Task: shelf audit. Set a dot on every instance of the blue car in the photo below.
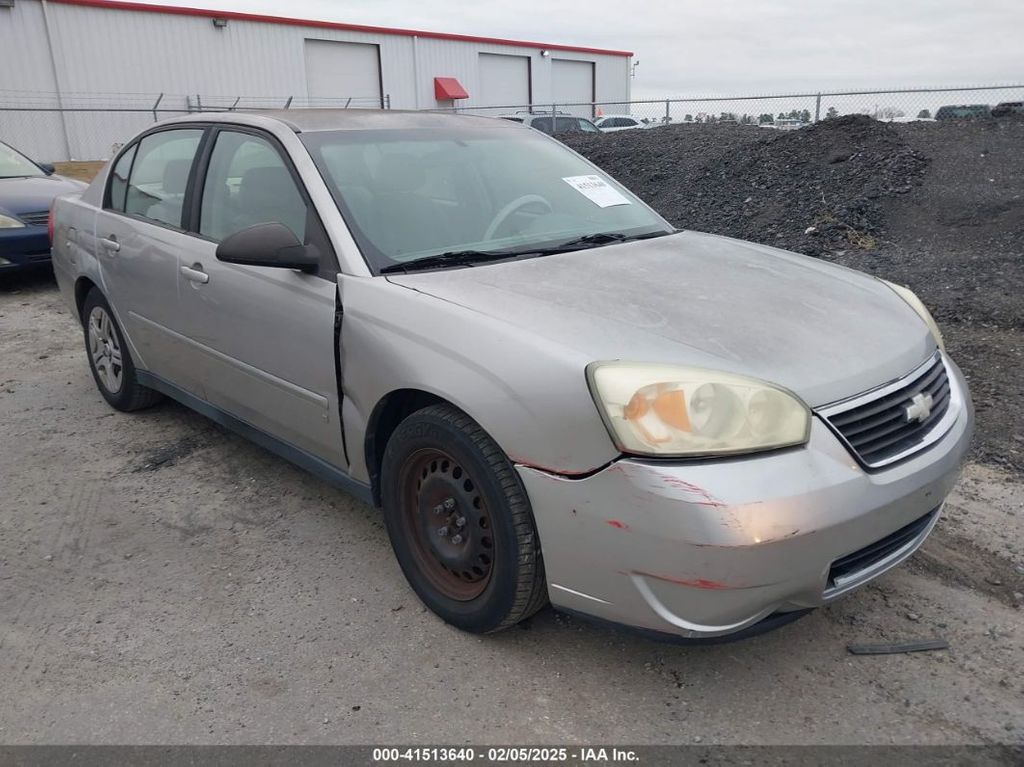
(27, 190)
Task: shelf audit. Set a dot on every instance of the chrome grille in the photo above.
(37, 218)
(895, 421)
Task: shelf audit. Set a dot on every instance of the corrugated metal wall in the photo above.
(130, 56)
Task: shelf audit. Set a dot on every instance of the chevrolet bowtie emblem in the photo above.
(919, 409)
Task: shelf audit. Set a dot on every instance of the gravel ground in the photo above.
(936, 206)
(163, 581)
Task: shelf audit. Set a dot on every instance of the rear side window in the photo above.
(119, 179)
(246, 184)
(156, 189)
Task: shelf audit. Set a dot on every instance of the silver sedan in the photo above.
(550, 392)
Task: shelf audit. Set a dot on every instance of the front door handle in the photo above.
(195, 273)
(110, 243)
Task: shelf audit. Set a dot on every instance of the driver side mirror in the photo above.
(272, 245)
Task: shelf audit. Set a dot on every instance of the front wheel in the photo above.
(460, 522)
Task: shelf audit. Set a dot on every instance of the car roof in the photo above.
(312, 120)
(602, 117)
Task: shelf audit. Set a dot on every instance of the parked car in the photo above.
(614, 123)
(1007, 108)
(549, 391)
(785, 123)
(963, 112)
(27, 190)
(560, 123)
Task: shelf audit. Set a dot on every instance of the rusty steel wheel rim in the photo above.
(447, 524)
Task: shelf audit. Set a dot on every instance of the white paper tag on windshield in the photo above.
(597, 190)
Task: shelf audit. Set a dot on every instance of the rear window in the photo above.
(159, 175)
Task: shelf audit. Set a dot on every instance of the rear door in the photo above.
(139, 236)
(263, 336)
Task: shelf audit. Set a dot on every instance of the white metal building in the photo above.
(77, 54)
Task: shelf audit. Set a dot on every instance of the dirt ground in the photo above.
(163, 581)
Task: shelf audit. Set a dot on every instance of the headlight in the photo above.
(6, 222)
(666, 410)
(918, 306)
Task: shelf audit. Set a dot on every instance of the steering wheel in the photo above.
(504, 214)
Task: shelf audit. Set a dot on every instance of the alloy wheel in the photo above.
(105, 350)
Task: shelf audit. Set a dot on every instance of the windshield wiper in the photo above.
(450, 258)
(470, 257)
(604, 238)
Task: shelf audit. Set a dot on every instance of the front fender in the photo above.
(530, 394)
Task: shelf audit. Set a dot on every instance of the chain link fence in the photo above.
(790, 110)
(90, 126)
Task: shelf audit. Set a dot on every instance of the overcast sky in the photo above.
(728, 47)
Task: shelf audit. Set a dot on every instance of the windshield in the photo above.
(15, 165)
(411, 194)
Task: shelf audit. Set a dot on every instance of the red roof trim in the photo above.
(215, 14)
(446, 88)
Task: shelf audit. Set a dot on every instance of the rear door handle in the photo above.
(195, 273)
(110, 243)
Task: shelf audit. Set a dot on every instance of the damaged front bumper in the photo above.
(711, 548)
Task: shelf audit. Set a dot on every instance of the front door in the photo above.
(263, 336)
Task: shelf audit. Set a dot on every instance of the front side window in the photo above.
(587, 127)
(159, 176)
(14, 164)
(248, 183)
(407, 194)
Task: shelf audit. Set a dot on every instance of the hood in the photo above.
(822, 331)
(35, 193)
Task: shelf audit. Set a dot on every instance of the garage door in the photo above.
(343, 71)
(573, 82)
(504, 80)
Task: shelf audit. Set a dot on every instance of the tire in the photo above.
(105, 347)
(482, 574)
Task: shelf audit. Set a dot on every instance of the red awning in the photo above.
(448, 88)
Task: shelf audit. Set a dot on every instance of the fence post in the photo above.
(817, 108)
(553, 113)
(199, 103)
(387, 101)
(668, 117)
(158, 100)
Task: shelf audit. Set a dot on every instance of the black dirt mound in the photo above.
(815, 190)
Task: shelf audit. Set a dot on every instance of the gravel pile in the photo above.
(937, 206)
